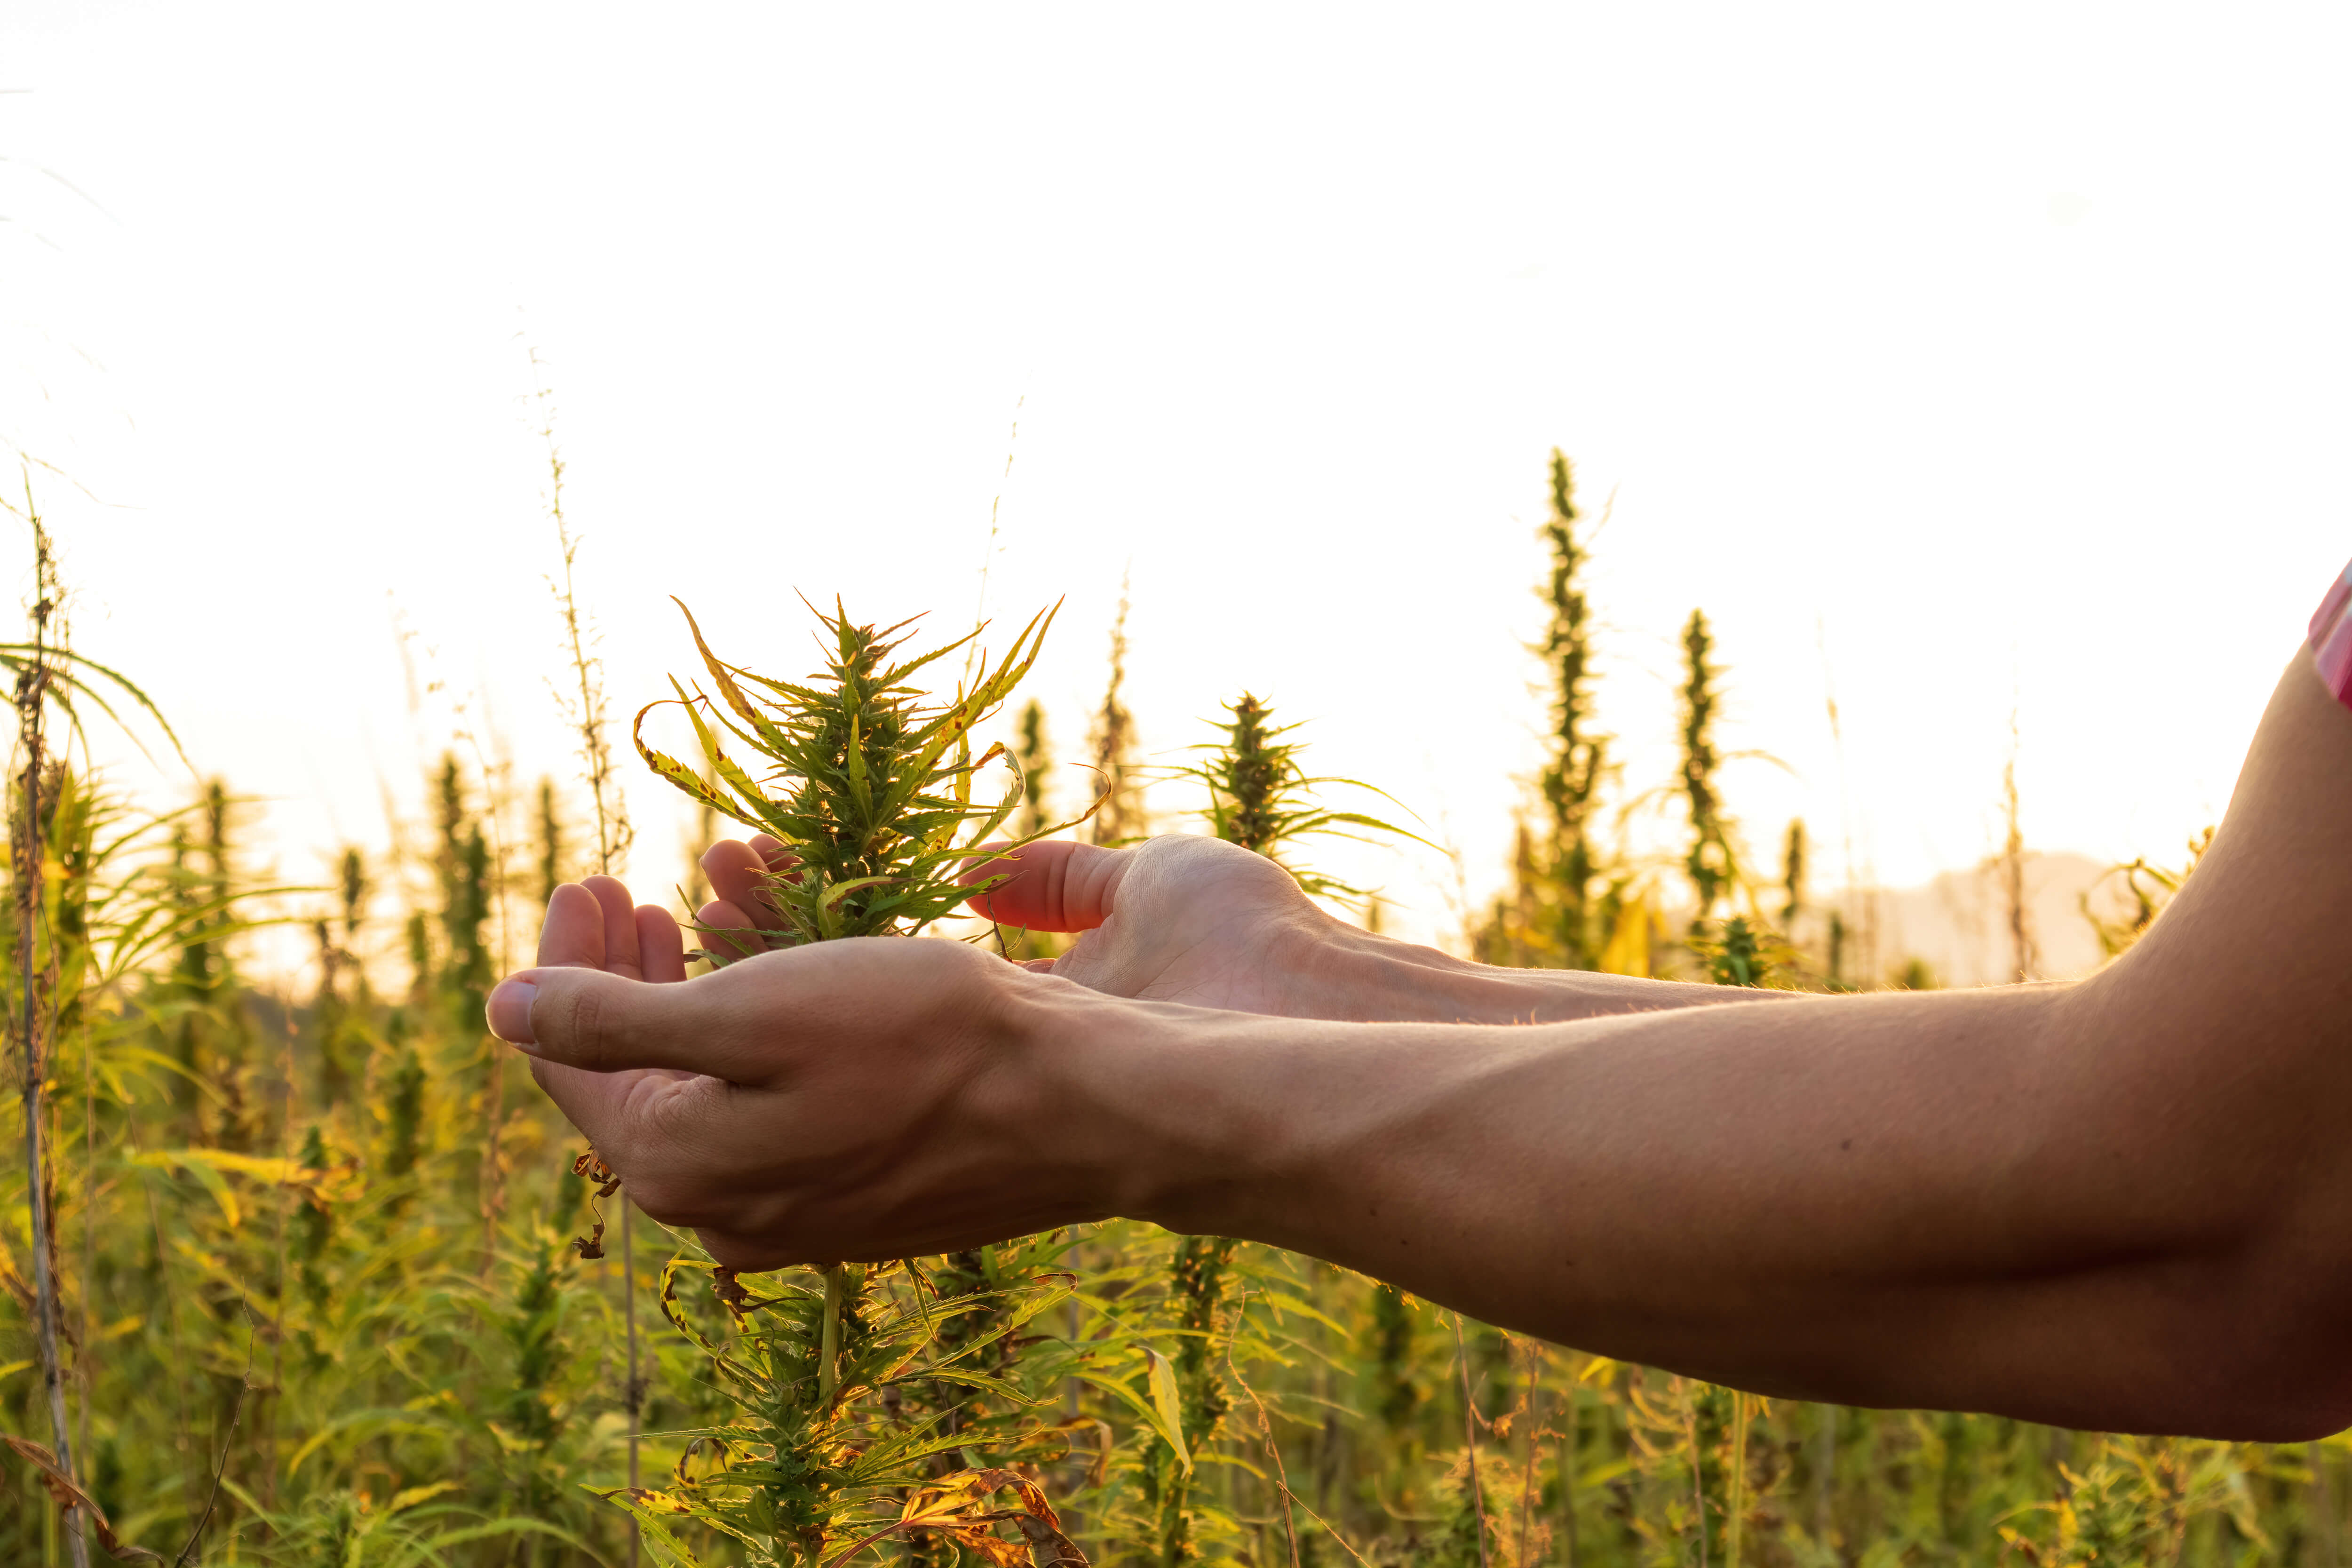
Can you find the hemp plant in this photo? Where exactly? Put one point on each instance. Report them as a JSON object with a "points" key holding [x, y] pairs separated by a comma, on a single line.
{"points": [[850, 1384], [867, 784], [1262, 799]]}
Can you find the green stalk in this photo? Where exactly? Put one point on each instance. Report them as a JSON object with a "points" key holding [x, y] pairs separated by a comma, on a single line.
{"points": [[1712, 870], [1579, 763], [1738, 1488], [828, 1353], [1470, 1441], [1698, 1463]]}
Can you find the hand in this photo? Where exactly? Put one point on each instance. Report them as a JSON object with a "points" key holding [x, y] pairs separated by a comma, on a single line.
{"points": [[1174, 920], [857, 1099], [1177, 918], [1211, 925], [876, 1097]]}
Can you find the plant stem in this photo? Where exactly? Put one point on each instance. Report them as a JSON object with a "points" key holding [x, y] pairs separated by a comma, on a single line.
{"points": [[32, 698], [635, 1399], [1698, 1465], [1570, 1459], [1737, 1485], [1528, 1473], [828, 1353], [612, 840], [1470, 1439], [1824, 1471]]}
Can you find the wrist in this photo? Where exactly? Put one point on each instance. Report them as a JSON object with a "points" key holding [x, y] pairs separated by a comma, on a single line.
{"points": [[1342, 972], [1151, 1110]]}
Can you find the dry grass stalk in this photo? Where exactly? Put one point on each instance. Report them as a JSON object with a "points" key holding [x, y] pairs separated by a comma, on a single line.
{"points": [[589, 722], [30, 841], [2025, 960], [1470, 1441], [1119, 818]]}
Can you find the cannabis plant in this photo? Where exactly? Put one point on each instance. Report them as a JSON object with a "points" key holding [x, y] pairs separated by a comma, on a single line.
{"points": [[1713, 868], [868, 785], [1262, 799], [1573, 778], [1119, 818], [850, 1384]]}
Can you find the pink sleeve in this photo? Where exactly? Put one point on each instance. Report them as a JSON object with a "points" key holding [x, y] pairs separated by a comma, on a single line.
{"points": [[2331, 639]]}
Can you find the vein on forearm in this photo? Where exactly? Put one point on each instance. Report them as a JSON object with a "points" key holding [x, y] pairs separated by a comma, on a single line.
{"points": [[1367, 979]]}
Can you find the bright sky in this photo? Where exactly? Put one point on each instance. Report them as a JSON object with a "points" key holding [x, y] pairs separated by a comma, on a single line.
{"points": [[1993, 353]]}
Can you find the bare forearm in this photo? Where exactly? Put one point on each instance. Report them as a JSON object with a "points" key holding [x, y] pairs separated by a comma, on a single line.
{"points": [[2119, 1203], [1898, 1200]]}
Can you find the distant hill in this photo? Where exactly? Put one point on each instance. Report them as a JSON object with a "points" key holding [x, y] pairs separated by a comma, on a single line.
{"points": [[1959, 923]]}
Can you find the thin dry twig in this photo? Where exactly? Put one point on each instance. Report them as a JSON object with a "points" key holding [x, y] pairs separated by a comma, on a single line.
{"points": [[1265, 1427], [1291, 1499], [1528, 1474], [32, 699], [1697, 1464], [1470, 1439], [613, 837], [237, 1413]]}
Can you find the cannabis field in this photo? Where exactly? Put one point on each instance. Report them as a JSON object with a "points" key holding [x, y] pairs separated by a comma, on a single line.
{"points": [[306, 1271]]}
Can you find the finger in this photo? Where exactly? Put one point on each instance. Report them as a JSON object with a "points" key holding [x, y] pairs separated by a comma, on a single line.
{"points": [[621, 955], [660, 947], [573, 933], [1055, 885], [738, 875], [727, 932], [607, 1023]]}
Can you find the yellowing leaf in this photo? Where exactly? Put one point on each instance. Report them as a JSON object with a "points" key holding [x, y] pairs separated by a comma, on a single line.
{"points": [[207, 1177], [652, 1510], [416, 1495], [1161, 1378], [1627, 951]]}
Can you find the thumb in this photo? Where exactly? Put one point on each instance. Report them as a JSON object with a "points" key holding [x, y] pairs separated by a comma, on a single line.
{"points": [[1055, 885], [605, 1023]]}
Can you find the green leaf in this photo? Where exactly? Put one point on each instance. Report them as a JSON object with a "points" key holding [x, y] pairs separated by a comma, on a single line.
{"points": [[207, 1176], [655, 1512], [1169, 1402]]}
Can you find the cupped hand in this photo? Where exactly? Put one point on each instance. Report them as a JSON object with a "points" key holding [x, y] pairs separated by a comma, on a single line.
{"points": [[1186, 919], [873, 1096], [1183, 919], [866, 1098]]}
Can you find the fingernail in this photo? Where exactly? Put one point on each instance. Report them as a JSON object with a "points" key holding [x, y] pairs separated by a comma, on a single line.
{"points": [[509, 1011]]}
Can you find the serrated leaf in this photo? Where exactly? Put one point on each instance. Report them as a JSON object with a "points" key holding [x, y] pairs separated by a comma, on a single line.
{"points": [[1160, 1375]]}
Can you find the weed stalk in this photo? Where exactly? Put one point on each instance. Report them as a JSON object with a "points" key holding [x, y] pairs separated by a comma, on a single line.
{"points": [[31, 877]]}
